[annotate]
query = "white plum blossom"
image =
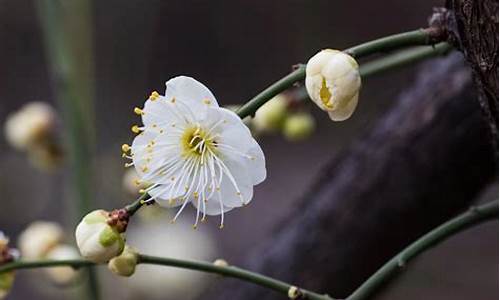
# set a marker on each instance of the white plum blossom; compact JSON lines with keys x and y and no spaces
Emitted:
{"x":190,"y":150}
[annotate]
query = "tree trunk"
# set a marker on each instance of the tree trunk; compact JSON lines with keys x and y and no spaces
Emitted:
{"x":473,"y":28}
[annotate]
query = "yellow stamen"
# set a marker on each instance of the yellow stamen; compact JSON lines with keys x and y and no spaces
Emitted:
{"x":154,"y":96}
{"x":138,"y":111}
{"x":125,"y":148}
{"x":135,"y":129}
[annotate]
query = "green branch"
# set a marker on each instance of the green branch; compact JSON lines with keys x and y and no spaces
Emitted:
{"x":468,"y":219}
{"x":472,"y":217}
{"x":229,"y":271}
{"x":403,"y":58}
{"x":410,"y":38}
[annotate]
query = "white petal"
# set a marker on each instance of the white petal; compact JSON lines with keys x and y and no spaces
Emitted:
{"x":191,"y":95}
{"x":256,"y":165}
{"x":313,"y":85}
{"x":232,"y":197}
{"x":344,"y":113}
{"x":318,"y":61}
{"x":211,"y":207}
{"x":160,"y":112}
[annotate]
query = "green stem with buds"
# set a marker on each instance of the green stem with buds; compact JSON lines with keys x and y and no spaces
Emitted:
{"x":405,"y":39}
{"x":473,"y":216}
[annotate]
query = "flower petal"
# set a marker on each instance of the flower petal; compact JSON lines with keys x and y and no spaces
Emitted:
{"x":345,"y":112}
{"x":191,"y":94}
{"x":211,"y":207}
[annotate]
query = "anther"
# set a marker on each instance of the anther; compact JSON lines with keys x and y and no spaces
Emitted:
{"x":125,"y":148}
{"x":154,"y":96}
{"x":138,"y":111}
{"x":135,"y":129}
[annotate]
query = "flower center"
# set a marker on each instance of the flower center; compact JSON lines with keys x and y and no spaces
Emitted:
{"x":196,"y":141}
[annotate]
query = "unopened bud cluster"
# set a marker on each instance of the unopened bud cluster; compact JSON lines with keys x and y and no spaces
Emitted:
{"x":32,"y":129}
{"x":277,"y":115}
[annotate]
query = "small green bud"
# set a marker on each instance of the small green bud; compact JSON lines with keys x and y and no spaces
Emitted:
{"x":124,"y":264}
{"x":298,"y":126}
{"x":6,"y":282}
{"x":270,"y":116}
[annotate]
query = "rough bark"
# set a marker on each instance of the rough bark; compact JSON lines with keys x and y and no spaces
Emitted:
{"x":473,"y":28}
{"x":425,"y":160}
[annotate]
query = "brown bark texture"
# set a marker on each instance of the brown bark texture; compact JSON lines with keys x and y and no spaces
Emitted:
{"x":473,"y":28}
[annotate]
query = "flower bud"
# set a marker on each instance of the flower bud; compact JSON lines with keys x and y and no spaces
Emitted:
{"x":333,"y":83}
{"x":124,"y":264}
{"x":97,"y":240}
{"x":62,"y":275}
{"x":39,"y":238}
{"x":6,"y":282}
{"x":220,"y":263}
{"x":31,"y":124}
{"x":6,"y":255}
{"x":269,"y":117}
{"x":298,"y":126}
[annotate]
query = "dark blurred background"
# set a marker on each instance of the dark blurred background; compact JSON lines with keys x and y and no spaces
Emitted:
{"x":236,"y":48}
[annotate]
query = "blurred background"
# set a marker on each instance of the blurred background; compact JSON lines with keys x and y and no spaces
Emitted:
{"x":236,"y":48}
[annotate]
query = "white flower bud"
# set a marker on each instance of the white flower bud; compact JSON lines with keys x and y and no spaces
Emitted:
{"x":62,"y":275}
{"x":38,"y":239}
{"x":96,"y":239}
{"x":124,"y":264}
{"x":333,"y":83}
{"x":298,"y":126}
{"x":220,"y":263}
{"x":270,"y":116}
{"x":6,"y":282}
{"x":32,"y":123}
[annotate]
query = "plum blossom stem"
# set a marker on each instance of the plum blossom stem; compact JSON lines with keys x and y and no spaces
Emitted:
{"x":403,"y":58}
{"x":229,"y":271}
{"x":473,"y":216}
{"x":396,"y":41}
